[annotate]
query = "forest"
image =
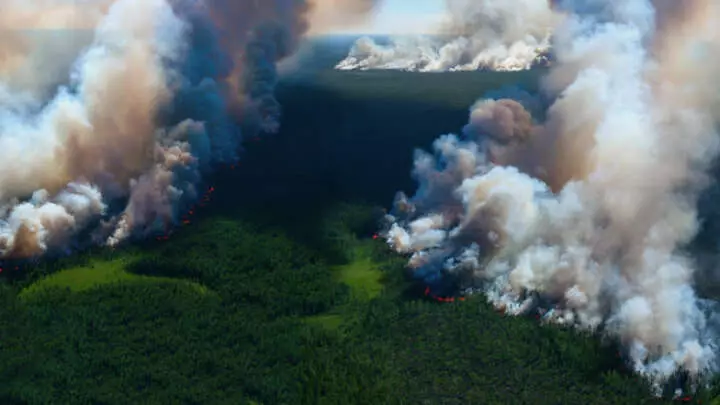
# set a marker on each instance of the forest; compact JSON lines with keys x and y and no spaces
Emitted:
{"x":274,"y":290}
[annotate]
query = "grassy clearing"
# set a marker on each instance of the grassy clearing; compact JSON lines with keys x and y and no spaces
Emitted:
{"x":364,"y":278}
{"x":148,"y":343}
{"x":362,"y":274}
{"x":331,"y":321}
{"x":97,"y":274}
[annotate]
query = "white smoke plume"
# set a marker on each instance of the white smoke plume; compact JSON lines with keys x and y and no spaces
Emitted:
{"x":98,"y":133}
{"x":504,"y":35}
{"x":592,"y":209}
{"x":106,"y":104}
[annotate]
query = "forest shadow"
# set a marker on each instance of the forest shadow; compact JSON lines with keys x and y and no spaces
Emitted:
{"x":329,"y":152}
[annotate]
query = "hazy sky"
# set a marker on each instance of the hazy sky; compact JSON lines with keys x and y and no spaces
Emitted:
{"x":404,"y":17}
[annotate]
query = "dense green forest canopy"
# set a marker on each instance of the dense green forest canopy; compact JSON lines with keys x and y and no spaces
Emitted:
{"x":275,"y":292}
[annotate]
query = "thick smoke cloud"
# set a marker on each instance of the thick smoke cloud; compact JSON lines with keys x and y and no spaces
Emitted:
{"x":111,"y":111}
{"x":586,"y":214}
{"x":331,"y":15}
{"x":40,"y":40}
{"x":477,"y":34}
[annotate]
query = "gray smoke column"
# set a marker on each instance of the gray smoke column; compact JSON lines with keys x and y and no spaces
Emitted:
{"x":111,"y":111}
{"x":589,"y":210}
{"x":476,"y":34}
{"x":256,"y":35}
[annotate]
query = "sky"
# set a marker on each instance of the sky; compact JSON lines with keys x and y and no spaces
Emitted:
{"x":404,"y":17}
{"x":392,"y":17}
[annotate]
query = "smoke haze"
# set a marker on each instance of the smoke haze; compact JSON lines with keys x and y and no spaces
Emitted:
{"x":587,"y":213}
{"x":484,"y":34}
{"x":128,"y":103}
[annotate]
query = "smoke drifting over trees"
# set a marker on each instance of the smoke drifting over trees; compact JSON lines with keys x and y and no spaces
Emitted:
{"x":590,"y":208}
{"x":132,"y":100}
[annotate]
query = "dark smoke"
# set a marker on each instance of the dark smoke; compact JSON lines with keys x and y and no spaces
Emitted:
{"x":158,"y":93}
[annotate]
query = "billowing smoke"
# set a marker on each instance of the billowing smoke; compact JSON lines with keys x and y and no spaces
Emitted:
{"x":111,"y":111}
{"x":587,"y":213}
{"x":257,"y":34}
{"x":331,"y":15}
{"x":40,"y":41}
{"x":476,"y":35}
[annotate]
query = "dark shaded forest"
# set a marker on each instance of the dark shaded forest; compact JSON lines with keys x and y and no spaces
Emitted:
{"x":276,"y":292}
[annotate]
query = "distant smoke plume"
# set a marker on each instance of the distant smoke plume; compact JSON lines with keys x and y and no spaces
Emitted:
{"x":257,"y":34}
{"x":477,"y":34}
{"x":329,"y":15}
{"x":588,"y":211}
{"x":112,"y":110}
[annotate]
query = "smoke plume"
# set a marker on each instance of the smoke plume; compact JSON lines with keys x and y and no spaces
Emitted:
{"x":111,"y":111}
{"x":476,"y":34}
{"x":329,"y":15}
{"x":588,"y":213}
